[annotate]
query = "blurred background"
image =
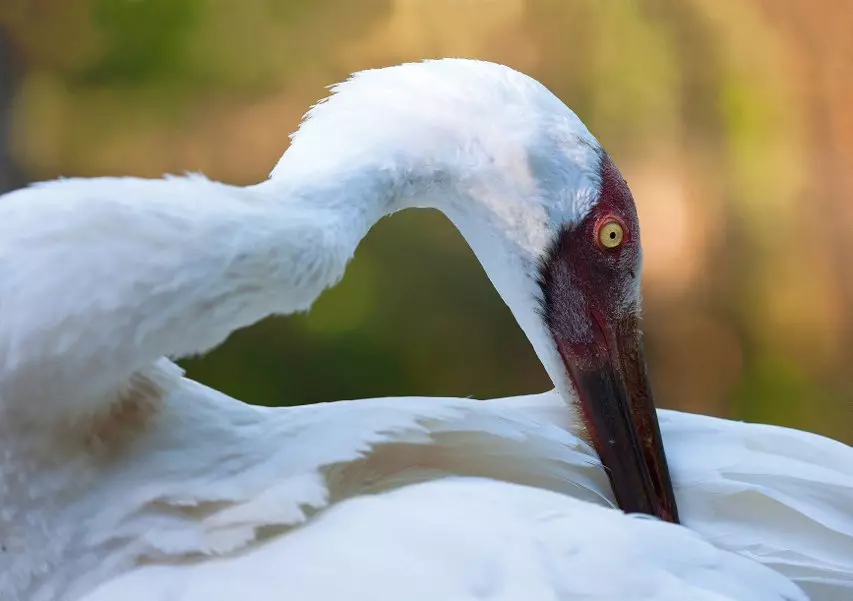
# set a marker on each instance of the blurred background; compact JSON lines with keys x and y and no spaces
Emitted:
{"x":732,"y":121}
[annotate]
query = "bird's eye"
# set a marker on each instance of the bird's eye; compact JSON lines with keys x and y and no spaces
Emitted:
{"x":610,"y":234}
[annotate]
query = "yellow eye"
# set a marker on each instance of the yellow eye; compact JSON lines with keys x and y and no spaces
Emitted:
{"x":610,"y":234}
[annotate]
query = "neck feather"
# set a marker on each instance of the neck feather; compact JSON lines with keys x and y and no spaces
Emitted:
{"x":105,"y":276}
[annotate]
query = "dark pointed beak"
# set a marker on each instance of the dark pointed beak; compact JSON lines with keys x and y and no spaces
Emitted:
{"x":618,"y":408}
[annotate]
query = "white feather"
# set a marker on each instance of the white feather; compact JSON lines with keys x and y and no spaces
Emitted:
{"x":541,"y":546}
{"x":780,"y":496}
{"x":217,"y":478}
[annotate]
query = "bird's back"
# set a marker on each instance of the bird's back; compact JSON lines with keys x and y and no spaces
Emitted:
{"x":465,"y":539}
{"x":212,"y":487}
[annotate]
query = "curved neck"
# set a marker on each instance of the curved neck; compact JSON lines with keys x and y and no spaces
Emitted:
{"x":171,"y":267}
{"x":487,"y":185}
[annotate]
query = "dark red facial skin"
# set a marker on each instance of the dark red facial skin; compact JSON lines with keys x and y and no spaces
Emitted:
{"x":607,"y":278}
{"x":591,"y":304}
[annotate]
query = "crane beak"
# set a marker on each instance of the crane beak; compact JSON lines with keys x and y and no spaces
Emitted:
{"x":619,"y":412}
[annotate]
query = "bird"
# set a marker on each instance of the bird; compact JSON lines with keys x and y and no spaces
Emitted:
{"x":121,"y":478}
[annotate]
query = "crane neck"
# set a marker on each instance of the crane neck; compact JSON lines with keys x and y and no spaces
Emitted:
{"x":489,"y":191}
{"x":142,"y":269}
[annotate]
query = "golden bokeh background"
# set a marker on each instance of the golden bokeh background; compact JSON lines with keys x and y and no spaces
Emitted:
{"x":731,"y":119}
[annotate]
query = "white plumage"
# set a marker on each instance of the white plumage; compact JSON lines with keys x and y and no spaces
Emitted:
{"x":395,"y":546}
{"x":122,"y":480}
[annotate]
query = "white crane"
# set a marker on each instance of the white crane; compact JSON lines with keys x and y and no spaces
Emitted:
{"x":120,"y":479}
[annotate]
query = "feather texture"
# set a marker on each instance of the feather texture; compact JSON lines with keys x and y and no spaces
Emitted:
{"x":428,"y":542}
{"x":214,"y":478}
